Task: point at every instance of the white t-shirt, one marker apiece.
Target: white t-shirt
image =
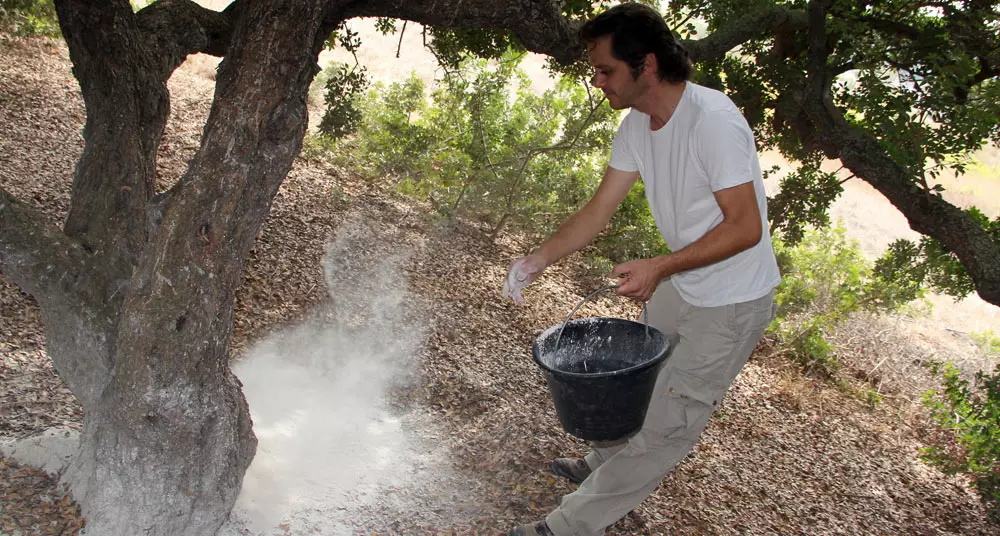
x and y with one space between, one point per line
706 146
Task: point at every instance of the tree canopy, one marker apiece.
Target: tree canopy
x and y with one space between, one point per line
897 91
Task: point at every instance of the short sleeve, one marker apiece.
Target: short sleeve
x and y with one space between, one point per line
725 149
622 151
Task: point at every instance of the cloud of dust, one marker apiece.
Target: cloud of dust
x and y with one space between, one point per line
330 444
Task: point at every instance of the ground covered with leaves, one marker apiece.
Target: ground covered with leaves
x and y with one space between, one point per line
786 454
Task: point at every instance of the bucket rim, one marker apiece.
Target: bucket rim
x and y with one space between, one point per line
660 356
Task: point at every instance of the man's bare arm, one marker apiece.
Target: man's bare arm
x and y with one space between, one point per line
584 225
741 229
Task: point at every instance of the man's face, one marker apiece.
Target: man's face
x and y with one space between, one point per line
612 75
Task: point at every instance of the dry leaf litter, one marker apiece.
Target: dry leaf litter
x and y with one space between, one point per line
786 454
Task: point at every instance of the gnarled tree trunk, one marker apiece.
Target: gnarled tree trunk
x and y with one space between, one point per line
137 290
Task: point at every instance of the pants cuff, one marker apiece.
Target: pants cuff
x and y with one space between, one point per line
593 460
558 525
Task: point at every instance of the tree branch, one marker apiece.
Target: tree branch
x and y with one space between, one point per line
37 256
723 40
61 275
127 106
176 28
538 24
399 46
927 213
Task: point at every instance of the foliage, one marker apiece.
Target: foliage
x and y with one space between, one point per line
485 145
920 77
29 17
825 278
970 413
803 200
632 233
343 87
454 46
987 341
392 136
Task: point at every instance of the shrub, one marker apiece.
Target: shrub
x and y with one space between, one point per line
29 17
987 341
970 414
482 144
825 278
391 138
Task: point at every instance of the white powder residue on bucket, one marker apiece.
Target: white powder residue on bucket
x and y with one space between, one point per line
597 344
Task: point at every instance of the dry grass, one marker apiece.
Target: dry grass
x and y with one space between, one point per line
886 354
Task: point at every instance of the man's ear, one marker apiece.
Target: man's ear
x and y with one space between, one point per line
649 64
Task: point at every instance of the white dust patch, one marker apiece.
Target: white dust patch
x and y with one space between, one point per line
51 451
334 455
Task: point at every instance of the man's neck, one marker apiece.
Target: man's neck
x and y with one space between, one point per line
660 101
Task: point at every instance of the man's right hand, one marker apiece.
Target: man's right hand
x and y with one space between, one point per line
522 273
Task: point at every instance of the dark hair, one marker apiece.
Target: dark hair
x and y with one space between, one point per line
637 30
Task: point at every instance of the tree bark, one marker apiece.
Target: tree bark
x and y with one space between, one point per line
538 24
137 290
172 427
927 212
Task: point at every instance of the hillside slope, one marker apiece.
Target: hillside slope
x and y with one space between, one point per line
786 454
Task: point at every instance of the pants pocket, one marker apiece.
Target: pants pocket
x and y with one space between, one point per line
685 406
754 316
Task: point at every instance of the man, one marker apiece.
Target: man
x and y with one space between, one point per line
712 296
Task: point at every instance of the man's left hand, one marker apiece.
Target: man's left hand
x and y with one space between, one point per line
641 278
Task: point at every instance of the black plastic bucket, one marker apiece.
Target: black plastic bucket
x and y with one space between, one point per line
602 374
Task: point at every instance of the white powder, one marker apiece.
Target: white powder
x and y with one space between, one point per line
331 450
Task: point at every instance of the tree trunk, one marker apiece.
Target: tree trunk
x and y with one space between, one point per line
137 290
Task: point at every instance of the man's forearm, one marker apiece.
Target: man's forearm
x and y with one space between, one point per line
576 232
585 224
724 241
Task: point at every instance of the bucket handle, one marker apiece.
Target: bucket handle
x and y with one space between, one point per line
645 314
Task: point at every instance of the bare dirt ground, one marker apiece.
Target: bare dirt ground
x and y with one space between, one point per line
787 454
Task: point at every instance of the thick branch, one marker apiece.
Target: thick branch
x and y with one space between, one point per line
736 33
127 105
37 256
59 273
186 280
927 213
176 28
538 24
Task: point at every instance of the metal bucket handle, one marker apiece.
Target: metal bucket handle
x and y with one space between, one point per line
645 314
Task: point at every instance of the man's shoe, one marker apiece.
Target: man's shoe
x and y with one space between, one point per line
573 469
535 529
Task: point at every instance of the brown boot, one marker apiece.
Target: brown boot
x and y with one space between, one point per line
573 469
535 529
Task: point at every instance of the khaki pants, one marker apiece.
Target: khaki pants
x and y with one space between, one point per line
710 347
